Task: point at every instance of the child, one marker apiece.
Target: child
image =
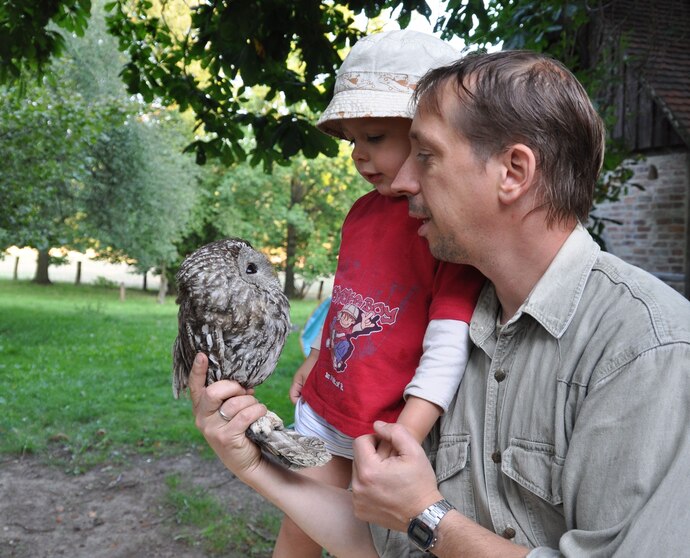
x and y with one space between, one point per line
394 307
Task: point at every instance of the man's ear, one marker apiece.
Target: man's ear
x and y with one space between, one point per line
519 171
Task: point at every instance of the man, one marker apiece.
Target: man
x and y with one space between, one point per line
569 432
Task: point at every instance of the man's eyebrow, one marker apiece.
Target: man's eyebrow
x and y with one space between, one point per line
417 136
421 138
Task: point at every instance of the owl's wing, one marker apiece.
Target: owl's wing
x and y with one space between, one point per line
205 339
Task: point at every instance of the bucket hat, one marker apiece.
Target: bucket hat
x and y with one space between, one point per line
379 76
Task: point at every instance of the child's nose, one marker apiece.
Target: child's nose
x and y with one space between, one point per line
359 153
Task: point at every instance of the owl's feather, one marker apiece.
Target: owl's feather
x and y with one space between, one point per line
232 308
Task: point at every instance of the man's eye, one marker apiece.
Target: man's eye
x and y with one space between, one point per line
251 269
423 157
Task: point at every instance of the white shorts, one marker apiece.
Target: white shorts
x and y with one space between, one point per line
308 423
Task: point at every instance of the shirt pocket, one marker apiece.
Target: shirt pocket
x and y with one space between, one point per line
535 467
452 456
453 473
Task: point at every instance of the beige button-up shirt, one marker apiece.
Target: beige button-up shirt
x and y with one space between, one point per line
570 431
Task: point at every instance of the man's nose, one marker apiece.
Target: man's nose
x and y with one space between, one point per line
406 182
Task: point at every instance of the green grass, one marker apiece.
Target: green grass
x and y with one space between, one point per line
201 517
90 376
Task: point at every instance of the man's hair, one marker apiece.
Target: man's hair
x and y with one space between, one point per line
511 97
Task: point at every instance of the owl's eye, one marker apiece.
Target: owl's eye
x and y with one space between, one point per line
251 269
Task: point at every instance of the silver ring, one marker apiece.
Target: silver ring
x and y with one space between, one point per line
225 417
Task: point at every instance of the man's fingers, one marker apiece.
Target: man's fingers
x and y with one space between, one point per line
364 446
397 439
197 379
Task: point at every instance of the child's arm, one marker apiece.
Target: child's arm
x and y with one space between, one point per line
302 374
438 376
418 416
436 381
300 377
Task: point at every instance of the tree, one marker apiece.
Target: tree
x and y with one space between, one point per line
29 39
45 137
86 165
140 193
294 213
292 49
199 58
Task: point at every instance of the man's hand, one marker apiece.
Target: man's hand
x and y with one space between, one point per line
226 436
389 489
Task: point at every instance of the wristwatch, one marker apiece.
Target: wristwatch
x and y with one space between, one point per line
422 529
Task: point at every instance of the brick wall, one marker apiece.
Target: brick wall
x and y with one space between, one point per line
653 232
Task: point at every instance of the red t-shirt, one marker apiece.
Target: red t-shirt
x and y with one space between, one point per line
387 288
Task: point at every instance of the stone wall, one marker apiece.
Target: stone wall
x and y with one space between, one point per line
653 233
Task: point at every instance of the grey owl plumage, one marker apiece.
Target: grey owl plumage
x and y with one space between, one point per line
232 308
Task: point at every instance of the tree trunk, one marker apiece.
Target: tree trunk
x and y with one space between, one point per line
297 193
42 263
290 261
15 274
77 281
145 281
163 289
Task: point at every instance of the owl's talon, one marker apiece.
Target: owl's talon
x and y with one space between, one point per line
266 424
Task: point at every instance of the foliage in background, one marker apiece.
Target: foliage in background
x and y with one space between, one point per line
45 137
87 165
293 214
28 35
140 192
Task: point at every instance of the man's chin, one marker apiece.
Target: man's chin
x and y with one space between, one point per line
445 251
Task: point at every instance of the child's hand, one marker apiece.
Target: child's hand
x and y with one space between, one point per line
301 375
297 384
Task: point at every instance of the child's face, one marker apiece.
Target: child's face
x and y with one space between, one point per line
346 320
380 147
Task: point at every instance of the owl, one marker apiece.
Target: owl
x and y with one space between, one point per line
232 308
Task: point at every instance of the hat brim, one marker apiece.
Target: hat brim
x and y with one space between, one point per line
364 104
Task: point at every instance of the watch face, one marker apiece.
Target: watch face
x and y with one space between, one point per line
420 534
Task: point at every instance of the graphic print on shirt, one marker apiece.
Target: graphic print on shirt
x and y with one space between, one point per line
357 316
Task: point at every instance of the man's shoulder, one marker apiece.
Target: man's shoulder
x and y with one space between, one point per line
626 313
636 295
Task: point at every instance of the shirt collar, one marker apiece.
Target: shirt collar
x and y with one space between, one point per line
554 299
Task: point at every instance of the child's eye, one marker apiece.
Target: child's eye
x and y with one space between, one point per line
375 139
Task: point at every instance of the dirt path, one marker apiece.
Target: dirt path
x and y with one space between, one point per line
110 511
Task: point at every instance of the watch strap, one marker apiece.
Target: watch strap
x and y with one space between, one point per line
431 517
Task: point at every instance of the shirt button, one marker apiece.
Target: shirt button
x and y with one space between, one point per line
509 533
496 456
500 375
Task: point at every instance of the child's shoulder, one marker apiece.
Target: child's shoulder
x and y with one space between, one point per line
375 202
